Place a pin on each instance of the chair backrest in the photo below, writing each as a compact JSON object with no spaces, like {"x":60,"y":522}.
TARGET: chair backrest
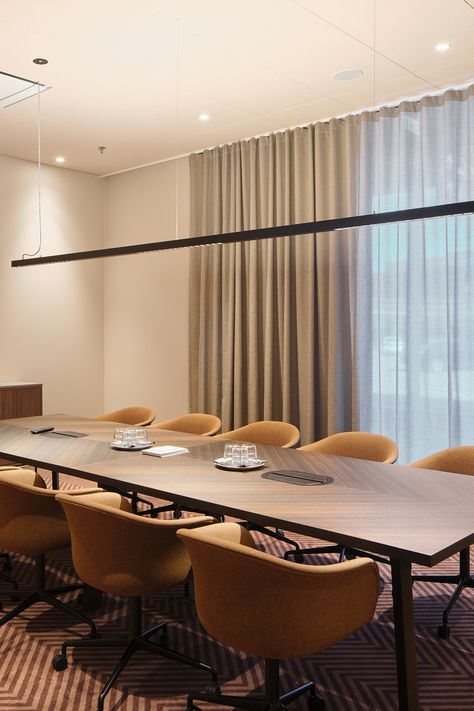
{"x":136,"y":416}
{"x":271,"y":607}
{"x":279,"y":434}
{"x":359,"y":445}
{"x":459,"y":460}
{"x":31,"y":520}
{"x":195,"y":422}
{"x":120,"y":552}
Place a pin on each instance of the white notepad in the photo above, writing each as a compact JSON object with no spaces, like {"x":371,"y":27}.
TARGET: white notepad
{"x":165,"y":451}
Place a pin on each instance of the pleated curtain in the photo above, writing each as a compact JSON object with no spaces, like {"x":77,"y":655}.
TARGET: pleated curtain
{"x":367,"y":329}
{"x":269,"y":322}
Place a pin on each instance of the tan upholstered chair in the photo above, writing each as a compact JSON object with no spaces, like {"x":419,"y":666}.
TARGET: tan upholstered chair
{"x":195,"y":422}
{"x":32,"y":523}
{"x":7,"y":564}
{"x":358,"y":445}
{"x":279,"y":434}
{"x":272,"y":432}
{"x":134,"y":416}
{"x":198,"y":423}
{"x":272,"y":608}
{"x":120,"y":553}
{"x":458,"y":460}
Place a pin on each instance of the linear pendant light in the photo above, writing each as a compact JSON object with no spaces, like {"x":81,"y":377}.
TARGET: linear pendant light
{"x":303,"y":228}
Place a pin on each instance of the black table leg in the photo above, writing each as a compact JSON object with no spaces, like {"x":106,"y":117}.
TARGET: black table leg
{"x":405,"y":640}
{"x":54,"y":480}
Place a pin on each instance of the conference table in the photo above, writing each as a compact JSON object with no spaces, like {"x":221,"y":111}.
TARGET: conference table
{"x":408,"y":515}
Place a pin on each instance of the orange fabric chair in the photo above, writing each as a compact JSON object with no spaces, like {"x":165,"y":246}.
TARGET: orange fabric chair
{"x":458,"y":460}
{"x":133,"y":416}
{"x":32,"y":523}
{"x":358,"y":445}
{"x":194,"y":422}
{"x":120,"y":553}
{"x":271,"y":432}
{"x":266,"y":606}
{"x":279,"y":434}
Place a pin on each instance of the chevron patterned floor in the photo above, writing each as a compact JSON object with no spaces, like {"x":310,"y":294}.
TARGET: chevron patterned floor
{"x":356,"y":675}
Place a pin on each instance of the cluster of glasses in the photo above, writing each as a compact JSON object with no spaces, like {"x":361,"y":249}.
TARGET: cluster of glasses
{"x":130,"y":437}
{"x":240,"y":455}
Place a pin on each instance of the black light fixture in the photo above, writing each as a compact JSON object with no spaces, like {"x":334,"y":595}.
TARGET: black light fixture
{"x":302,"y":228}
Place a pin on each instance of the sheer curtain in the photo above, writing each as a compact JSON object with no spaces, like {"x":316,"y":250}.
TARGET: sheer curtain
{"x":369,"y":329}
{"x":415,"y":295}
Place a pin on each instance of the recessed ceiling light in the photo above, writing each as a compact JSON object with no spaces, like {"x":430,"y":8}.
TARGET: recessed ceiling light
{"x":346,"y":74}
{"x":442,"y":46}
{"x":60,"y":159}
{"x":40,"y":60}
{"x":204,"y":117}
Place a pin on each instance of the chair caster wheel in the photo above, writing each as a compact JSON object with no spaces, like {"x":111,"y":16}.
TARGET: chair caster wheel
{"x":316,"y":703}
{"x":213,"y":689}
{"x":443,"y":632}
{"x":59,"y":662}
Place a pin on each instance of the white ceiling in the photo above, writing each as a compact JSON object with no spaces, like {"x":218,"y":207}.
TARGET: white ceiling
{"x":133,"y":75}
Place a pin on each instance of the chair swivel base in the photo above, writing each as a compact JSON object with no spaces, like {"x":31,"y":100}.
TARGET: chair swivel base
{"x":271,"y":700}
{"x":139,"y":639}
{"x":48,"y":595}
{"x":462,"y":580}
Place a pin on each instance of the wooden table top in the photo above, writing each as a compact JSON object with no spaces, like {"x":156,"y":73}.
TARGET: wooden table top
{"x":409,"y":514}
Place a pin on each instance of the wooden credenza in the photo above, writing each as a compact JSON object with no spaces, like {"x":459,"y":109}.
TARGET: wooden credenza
{"x":20,"y":400}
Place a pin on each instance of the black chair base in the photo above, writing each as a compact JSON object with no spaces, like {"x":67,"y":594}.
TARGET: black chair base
{"x":178,"y":509}
{"x":274,"y":533}
{"x":7,"y":563}
{"x":42,"y":594}
{"x":299,"y":553}
{"x":343,"y":553}
{"x":462,"y":580}
{"x":139,"y":639}
{"x":271,"y":700}
{"x":13,"y":595}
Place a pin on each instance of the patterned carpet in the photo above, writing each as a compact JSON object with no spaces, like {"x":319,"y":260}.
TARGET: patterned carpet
{"x":358,"y":674}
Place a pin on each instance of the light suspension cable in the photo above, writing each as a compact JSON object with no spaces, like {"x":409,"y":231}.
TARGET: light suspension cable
{"x":38,"y":138}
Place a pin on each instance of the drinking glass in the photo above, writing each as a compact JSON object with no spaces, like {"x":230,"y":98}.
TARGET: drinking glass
{"x":141,"y":437}
{"x":236,"y":455}
{"x":228,"y":453}
{"x":118,"y":435}
{"x":244,"y":456}
{"x":252,"y":453}
{"x":129,"y":437}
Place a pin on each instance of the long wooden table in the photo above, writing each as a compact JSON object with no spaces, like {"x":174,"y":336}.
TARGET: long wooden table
{"x":409,"y":515}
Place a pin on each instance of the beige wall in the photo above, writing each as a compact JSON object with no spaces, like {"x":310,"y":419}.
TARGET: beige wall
{"x":101,"y":334}
{"x":51,"y":317}
{"x":146,"y":295}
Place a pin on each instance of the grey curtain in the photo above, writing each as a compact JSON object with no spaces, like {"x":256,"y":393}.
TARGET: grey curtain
{"x":270,"y":322}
